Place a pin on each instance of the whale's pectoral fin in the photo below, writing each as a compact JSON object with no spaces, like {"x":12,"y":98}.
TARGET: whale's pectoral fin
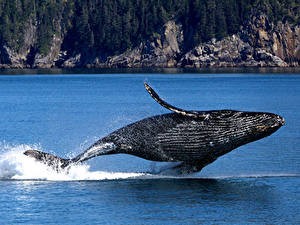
{"x":57,"y":163}
{"x":163,"y":103}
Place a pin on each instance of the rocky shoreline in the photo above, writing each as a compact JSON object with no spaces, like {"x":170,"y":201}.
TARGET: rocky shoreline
{"x":259,"y":43}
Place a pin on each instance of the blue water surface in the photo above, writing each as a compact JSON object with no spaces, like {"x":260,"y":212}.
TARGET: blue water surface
{"x":64,"y":114}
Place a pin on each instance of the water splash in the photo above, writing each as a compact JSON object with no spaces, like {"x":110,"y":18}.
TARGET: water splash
{"x":14,"y":165}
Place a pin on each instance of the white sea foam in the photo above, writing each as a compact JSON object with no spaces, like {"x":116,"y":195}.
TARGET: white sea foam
{"x":15,"y":165}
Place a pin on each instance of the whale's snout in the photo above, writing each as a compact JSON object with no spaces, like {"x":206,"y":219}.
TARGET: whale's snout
{"x":267,"y":123}
{"x":277,"y":121}
{"x":281,"y":120}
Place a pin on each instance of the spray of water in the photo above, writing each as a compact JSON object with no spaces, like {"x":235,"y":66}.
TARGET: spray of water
{"x":15,"y":165}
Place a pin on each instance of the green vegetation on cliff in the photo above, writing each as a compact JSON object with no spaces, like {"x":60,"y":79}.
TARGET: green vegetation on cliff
{"x":113,"y":26}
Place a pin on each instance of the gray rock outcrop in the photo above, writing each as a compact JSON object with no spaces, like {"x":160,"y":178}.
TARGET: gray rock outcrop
{"x":260,"y":43}
{"x":159,"y":52}
{"x":52,"y":57}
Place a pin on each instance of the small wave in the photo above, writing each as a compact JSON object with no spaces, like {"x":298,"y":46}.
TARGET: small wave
{"x":251,"y":176}
{"x":223,"y":177}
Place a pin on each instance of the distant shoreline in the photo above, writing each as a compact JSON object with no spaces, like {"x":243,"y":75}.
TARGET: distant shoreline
{"x":228,"y":70}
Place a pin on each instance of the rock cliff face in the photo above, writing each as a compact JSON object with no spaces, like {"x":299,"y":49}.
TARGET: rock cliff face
{"x":259,"y":43}
{"x":9,"y":58}
{"x":52,"y":57}
{"x":162,"y":51}
{"x":26,"y":56}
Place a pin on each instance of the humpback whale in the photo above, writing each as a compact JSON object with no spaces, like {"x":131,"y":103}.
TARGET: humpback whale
{"x":192,"y":138}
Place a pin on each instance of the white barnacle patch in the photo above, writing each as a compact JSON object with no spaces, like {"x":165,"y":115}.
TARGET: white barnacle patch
{"x":124,"y":146}
{"x":193,"y":122}
{"x":206,"y":117}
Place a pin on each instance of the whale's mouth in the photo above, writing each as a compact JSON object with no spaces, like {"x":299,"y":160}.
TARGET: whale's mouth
{"x":277,"y":122}
{"x":271,"y":122}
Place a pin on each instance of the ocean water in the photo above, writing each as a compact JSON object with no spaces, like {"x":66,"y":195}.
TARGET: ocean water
{"x":258,"y":183}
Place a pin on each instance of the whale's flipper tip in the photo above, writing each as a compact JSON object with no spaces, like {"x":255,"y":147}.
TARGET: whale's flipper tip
{"x":163,"y":103}
{"x":55,"y":162}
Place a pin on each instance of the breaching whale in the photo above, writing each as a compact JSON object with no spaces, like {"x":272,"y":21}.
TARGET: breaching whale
{"x":193,"y":138}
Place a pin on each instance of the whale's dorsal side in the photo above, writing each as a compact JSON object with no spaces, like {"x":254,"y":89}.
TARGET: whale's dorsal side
{"x":163,"y":103}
